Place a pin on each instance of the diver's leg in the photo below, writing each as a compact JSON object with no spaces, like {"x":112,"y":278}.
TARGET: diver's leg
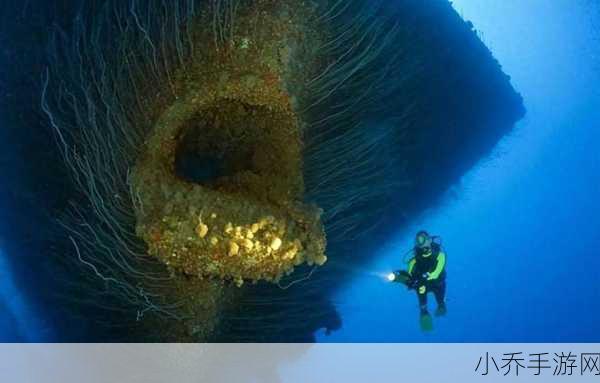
{"x":439,"y":292}
{"x":425,"y":321}
{"x":422,"y":301}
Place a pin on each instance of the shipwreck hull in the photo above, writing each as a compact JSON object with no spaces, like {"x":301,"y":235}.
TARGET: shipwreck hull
{"x":229,"y":158}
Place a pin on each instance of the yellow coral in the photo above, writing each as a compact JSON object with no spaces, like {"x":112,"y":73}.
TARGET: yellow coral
{"x":276,"y":243}
{"x":291,"y":253}
{"x":214,"y":241}
{"x":254,"y":228}
{"x":248,"y":244}
{"x":201,"y":230}
{"x":320,"y":260}
{"x":262,"y":223}
{"x":234,"y":248}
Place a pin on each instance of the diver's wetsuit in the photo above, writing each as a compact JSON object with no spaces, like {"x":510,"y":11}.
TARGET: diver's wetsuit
{"x":429,"y":272}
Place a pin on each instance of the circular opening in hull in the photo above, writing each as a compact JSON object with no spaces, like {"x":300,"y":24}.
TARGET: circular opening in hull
{"x":218,"y":142}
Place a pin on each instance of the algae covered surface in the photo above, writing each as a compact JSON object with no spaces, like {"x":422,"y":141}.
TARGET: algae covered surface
{"x":249,"y":224}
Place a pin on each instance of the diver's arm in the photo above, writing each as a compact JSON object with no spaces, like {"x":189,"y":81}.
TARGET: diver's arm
{"x":411,"y":265}
{"x":441,"y":263}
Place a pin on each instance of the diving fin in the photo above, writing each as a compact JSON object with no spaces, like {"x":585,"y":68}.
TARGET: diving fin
{"x":426,"y":322}
{"x":440,"y":311}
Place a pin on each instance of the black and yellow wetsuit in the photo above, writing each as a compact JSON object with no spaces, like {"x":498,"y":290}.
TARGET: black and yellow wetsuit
{"x":429,"y":275}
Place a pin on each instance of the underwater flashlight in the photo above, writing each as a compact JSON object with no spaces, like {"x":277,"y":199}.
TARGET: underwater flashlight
{"x":391,"y":277}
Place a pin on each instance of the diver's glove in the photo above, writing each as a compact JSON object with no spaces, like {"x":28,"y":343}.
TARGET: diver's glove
{"x":413,"y":283}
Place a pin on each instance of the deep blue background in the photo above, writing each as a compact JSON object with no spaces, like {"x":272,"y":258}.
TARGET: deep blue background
{"x":522,"y":229}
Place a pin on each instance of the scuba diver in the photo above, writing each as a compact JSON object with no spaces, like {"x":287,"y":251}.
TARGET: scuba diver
{"x":426,"y":273}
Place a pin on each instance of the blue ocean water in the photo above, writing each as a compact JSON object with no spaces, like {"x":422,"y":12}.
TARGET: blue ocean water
{"x":522,"y":229}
